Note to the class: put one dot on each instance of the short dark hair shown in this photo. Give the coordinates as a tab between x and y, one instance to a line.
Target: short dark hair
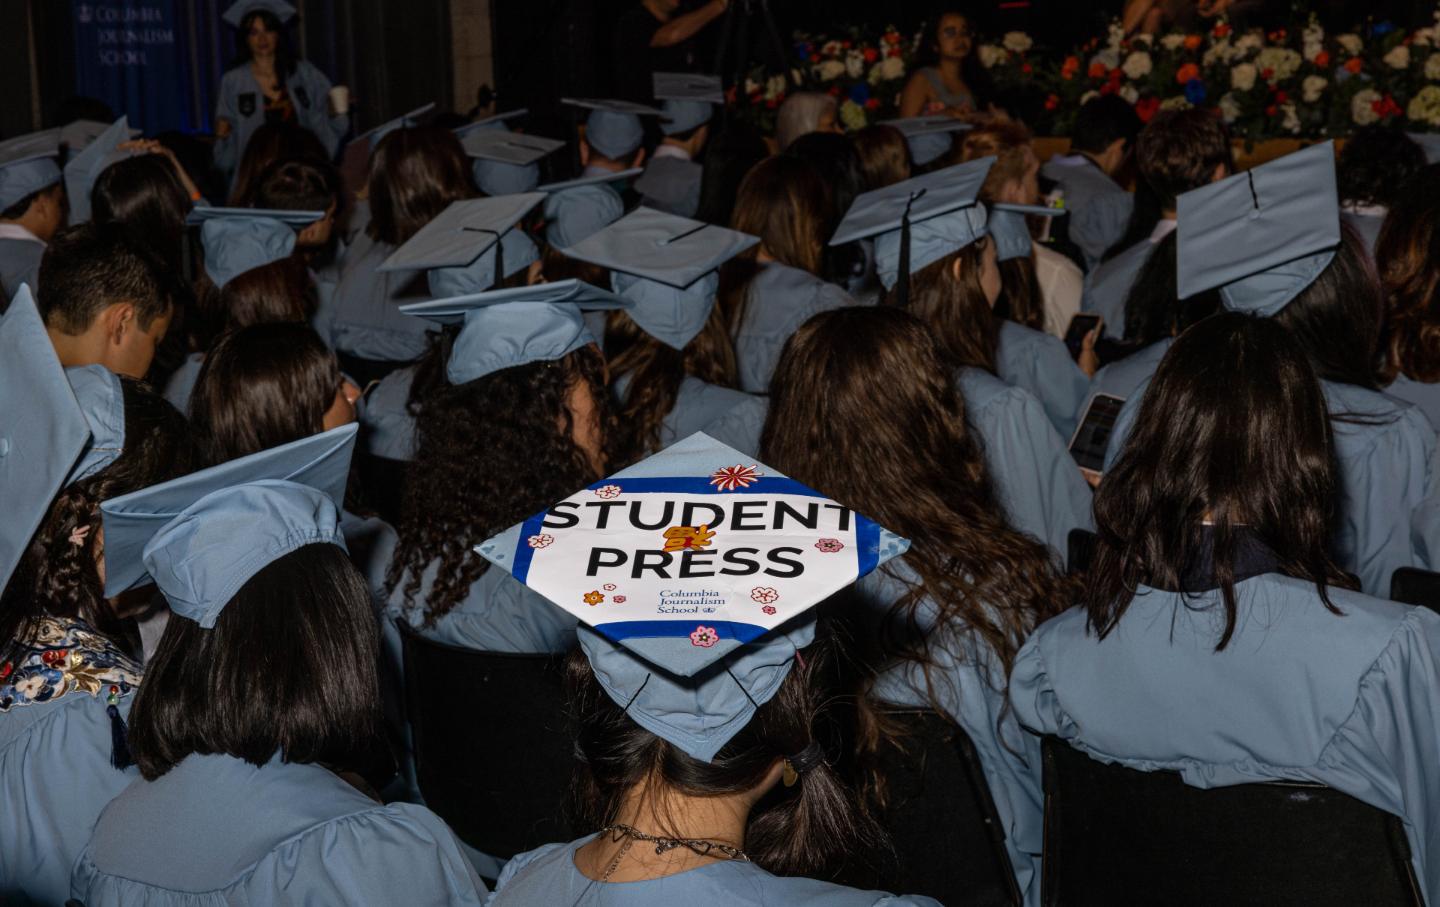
1338	319
1101	121
144	195
87	269
1179	150
19	209
1376	165
1153	308
415	173
298	185
289	667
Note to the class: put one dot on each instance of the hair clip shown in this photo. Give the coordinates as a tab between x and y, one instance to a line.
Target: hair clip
78	535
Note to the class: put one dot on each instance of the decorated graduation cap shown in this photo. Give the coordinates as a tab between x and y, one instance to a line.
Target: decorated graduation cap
613	127
237	240
579	208
49	436
507	163
694	573
918	221
665	265
201	537
689	100
85	168
1261	236
1010	230
928	137
470	245
516	326
27	165
237	11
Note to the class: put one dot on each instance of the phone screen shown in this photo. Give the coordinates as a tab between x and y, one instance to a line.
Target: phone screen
1091	438
1080	325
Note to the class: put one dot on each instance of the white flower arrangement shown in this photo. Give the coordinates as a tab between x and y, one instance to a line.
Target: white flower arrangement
1172	41
1138	65
1425	106
852	115
1432	67
1129	93
1362	107
1249	41
991	55
1179	102
1229	108
1017	41
1221	51
1242	76
854	64
829	70
1281	61
1398	57
1350	43
1290	118
1312	88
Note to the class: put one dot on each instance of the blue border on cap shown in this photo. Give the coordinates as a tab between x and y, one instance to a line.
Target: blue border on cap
636	629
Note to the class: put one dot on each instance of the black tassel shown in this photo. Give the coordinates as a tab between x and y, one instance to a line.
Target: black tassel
902	283
119	749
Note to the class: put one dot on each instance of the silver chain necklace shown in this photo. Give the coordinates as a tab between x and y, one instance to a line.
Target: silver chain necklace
700	846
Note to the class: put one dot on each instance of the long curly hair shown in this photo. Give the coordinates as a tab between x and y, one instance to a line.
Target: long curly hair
59	577
1408	254
489	453
656	372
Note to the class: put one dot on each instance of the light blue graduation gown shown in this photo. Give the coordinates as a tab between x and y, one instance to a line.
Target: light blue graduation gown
780	299
19	263
1385	465
1041	364
218	830
672	185
969	684
182	382
242	102
385	417
1425	396
364	317
55	751
1126	377
1099	207
1035	477
547	875
1299	693
729	416
1367	226
1108	287
1425	522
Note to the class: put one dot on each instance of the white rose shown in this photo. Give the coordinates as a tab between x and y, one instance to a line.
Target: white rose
1290	120
1425	106
1129	94
1147	40
1281	61
829	70
751	86
1312	88
1432	67
1172	41
1314	33
1248	42
1017	41
991	56
1242	77
1351	44
1423	38
1229	108
1179	102
1398	58
1138	65
1088	96
892	68
1361	107
854	64
1109	58
1219	52
774	87
852	115
831	49
1116	36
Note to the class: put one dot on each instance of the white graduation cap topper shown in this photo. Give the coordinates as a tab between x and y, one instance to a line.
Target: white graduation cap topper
692	553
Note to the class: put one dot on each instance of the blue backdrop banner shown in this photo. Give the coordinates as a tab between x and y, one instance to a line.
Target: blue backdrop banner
128	53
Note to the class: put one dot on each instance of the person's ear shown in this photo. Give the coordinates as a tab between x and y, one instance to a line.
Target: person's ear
1116	152
118	320
1222	170
309	235
698	140
584	153
955	269
639	159
535	273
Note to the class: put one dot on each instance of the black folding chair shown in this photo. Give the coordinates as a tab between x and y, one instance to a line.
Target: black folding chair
1414	586
938	810
1115	835
1080	550
494	753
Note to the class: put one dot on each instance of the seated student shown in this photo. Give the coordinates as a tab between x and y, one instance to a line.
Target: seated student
930	141
67	677
32	209
1272	242
940	625
934	254
251	277
415	173
1376	169
884	156
729	156
1042	287
767	293
506	163
851	266
244	797
1178	151
684	736
144	194
108	300
1409	268
271	143
672	368
802	113
1099	207
672	179
614	137
1216	635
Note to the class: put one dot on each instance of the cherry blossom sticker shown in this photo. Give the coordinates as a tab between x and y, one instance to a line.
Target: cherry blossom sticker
594	598
768	609
704	637
830	546
607	492
543	540
608	587
732	477
764	595
618	599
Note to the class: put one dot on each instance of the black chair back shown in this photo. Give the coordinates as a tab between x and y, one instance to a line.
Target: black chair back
940	815
494	753
383	481
1115	835
1080	550
1414	586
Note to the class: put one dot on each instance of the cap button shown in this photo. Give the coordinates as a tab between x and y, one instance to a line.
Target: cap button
4	447
1254	213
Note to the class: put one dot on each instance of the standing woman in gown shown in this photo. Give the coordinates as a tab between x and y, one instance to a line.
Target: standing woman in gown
268	85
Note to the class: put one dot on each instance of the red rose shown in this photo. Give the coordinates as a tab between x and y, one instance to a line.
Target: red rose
1098	70
1187	73
1052	102
1026	69
1271	110
871	55
1193	42
1353	65
1146	108
1221	29
872	104
1322	59
1281	97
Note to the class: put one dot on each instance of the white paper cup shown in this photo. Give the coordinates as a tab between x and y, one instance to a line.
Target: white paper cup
340	99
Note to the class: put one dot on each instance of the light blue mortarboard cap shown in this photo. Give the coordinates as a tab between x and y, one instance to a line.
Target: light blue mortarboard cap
506	163
373	136
516	326
43	430
1261	236
27	165
101	399
201	537
458	246
237	11
690	652
499	122
689	100
665	265
1429	141
579	208
1008	227
613	127
928	137
237	240
84	169
940	210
